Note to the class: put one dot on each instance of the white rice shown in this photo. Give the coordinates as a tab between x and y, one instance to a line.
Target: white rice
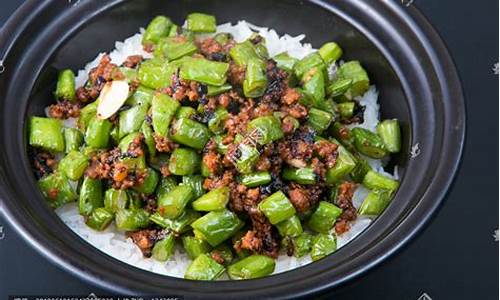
114	243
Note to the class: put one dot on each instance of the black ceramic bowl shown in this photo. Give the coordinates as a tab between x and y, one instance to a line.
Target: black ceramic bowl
405	58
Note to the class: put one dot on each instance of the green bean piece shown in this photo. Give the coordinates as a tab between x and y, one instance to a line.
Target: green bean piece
172	204
57	190
301	175
204	268
319	120
130	74
246	161
368	143
390	133
179	225
314	85
184	161
47	134
174	30
217	226
190	133
148	134
325	216
302	244
196	183
99	219
339	87
158	28
65	89
221	148
216	199
216	123
375	203
261	49
136	201
88	112
90	196
73	165
359	172
256	179
346	109
323	245
115	135
223	251
132	162
344	165
131	120
163	109
173	48
148	187
216	90
223	38
142	96
155	73
205	71
131	219
309	62
166	185
115	200
164	248
73	139
195	247
255	83
277	208
285	61
290	227
377	181
360	81
330	52
198	22
242	53
98	132
185	112
342	135
265	130
253	266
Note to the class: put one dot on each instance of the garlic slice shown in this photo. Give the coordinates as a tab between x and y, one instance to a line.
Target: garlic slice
112	97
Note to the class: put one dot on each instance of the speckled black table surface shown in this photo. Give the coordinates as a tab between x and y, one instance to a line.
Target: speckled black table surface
456	257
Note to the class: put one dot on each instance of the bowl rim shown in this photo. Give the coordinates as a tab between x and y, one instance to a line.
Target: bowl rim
401	235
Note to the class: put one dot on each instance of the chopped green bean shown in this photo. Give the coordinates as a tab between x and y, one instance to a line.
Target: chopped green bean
375	203
368	143
360	81
256	179
216	226
158	28
184	161
325	216
164	248
290	227
265	130
196	183
172	204
47	134
115	200
198	22
253	266
344	165
330	52
204	268
205	71
65	89
99	219
323	245
277	208
179	225
216	199
319	120
374	181
131	120
195	247
90	196
131	219
57	190
255	83
173	48
98	132
73	165
163	110
190	133
390	133
73	139
301	176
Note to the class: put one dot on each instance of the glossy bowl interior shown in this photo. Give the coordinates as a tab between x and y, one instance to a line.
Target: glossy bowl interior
405	59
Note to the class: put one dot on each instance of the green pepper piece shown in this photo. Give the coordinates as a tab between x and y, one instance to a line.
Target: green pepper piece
344	165
216	199
98	132
360	81
290	227
190	133
99	219
325	216
131	219
368	143
323	245
242	53
148	187
131	120
265	130
115	200
158	28
65	89
330	52
179	225
184	161
374	181
57	190
253	266
155	73
196	183
173	48
90	196
172	204
164	248
205	71
195	247
255	83
285	61
73	139
198	22
88	112
163	110
47	134
256	179
73	165
309	62
301	176
216	90
390	133
277	208
204	268
319	120
375	203
216	226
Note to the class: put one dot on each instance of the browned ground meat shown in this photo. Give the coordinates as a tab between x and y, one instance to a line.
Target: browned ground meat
213	161
217	256
290	97
64	110
304	197
44	163
164	144
183	89
236	74
265	232
212	50
296	110
145	239
344	201
219	181
251	242
132	61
